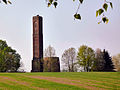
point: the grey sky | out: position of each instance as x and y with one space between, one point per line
60 29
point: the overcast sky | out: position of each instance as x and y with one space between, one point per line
59 27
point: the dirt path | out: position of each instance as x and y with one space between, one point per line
69 82
85 84
28 84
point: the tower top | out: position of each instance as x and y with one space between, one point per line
37 16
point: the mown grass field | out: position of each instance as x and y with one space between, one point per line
60 81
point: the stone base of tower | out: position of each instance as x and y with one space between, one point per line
37 65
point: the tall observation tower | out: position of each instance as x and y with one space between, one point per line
37 62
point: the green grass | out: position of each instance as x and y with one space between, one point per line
60 81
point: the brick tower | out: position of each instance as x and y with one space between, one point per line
37 62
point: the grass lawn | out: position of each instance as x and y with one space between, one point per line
60 81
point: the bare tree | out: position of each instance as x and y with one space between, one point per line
116 62
68 59
49 52
99 62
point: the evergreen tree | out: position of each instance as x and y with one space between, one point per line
108 61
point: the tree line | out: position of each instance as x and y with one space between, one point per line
86 59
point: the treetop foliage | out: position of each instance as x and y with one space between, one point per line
77 15
6 1
102 11
52 2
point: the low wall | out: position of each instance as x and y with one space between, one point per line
51 64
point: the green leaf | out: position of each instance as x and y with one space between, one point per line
105 6
100 11
97 13
104 19
4 1
9 2
111 5
51 1
77 16
107 20
99 22
55 4
81 1
49 4
73 0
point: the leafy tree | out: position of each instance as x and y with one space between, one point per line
9 59
86 57
116 62
68 59
99 60
108 61
49 51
